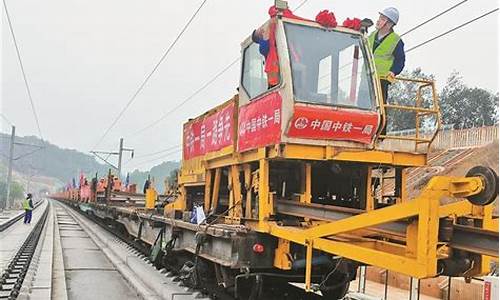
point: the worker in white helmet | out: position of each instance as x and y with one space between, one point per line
388 49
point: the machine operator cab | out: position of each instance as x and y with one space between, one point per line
306 84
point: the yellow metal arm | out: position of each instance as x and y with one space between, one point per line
420 255
437 188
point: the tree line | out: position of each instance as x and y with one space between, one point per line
461 106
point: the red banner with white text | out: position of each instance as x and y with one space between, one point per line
210 133
333 124
259 123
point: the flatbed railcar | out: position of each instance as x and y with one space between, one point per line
295 180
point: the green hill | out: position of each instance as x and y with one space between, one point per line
65 164
158 173
52 161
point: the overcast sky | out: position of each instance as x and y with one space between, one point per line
85 59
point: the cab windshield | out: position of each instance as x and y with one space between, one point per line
328 67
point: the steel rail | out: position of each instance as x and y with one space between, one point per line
13 276
141 251
12 221
204 291
475 240
472 239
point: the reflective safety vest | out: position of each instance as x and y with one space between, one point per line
26 204
384 53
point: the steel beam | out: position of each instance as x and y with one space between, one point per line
471 239
475 240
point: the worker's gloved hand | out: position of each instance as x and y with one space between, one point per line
391 77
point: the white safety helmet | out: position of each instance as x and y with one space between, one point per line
392 14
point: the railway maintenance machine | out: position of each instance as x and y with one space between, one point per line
295 180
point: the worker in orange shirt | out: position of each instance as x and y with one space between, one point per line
267 47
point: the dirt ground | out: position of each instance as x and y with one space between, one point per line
453 163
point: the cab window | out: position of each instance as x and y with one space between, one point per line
328 67
254 77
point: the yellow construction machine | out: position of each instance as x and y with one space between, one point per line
292 179
304 162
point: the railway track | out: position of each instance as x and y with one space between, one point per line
271 289
86 263
142 278
436 164
12 221
443 159
135 268
13 275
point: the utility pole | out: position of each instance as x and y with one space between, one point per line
119 154
6 204
9 172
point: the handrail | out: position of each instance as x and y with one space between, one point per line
419 110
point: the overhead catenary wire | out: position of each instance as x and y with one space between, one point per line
135 166
156 158
6 119
143 84
11 28
158 152
433 18
300 5
412 29
204 86
451 30
28 153
199 90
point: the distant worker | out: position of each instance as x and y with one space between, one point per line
102 185
93 189
146 185
117 184
388 49
93 185
28 207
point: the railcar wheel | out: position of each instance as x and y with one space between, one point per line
338 292
250 288
490 181
335 284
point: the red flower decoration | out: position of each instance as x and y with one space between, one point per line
355 23
326 18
